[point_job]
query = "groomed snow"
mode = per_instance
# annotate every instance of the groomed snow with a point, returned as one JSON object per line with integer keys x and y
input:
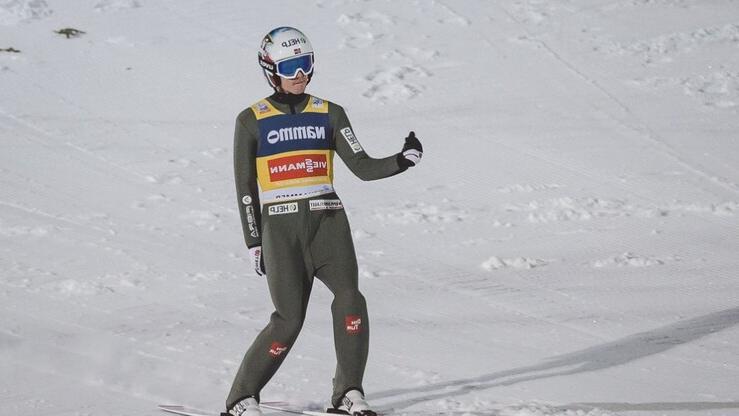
{"x": 568, "y": 247}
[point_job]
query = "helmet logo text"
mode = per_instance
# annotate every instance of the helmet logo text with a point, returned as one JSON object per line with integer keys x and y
{"x": 293, "y": 42}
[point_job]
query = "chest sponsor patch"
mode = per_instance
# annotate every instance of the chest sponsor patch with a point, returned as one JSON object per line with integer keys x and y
{"x": 297, "y": 166}
{"x": 351, "y": 139}
{"x": 287, "y": 208}
{"x": 321, "y": 204}
{"x": 293, "y": 132}
{"x": 296, "y": 133}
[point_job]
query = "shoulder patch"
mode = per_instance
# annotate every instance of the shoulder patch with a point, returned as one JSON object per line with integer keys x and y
{"x": 316, "y": 105}
{"x": 263, "y": 109}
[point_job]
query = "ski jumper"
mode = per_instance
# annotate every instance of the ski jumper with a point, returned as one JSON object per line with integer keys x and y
{"x": 283, "y": 158}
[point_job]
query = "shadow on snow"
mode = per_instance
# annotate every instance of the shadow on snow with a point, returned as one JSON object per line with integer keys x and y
{"x": 595, "y": 358}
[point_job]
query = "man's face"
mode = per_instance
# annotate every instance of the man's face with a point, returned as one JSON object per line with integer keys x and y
{"x": 296, "y": 85}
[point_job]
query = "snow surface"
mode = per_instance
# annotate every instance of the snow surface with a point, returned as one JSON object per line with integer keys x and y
{"x": 567, "y": 247}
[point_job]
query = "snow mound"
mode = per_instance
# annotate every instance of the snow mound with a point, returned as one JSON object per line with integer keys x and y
{"x": 584, "y": 209}
{"x": 665, "y": 48}
{"x": 72, "y": 287}
{"x": 411, "y": 54}
{"x": 572, "y": 209}
{"x": 668, "y": 3}
{"x": 210, "y": 276}
{"x": 727, "y": 208}
{"x": 527, "y": 188}
{"x": 201, "y": 218}
{"x": 479, "y": 406}
{"x": 368, "y": 273}
{"x": 718, "y": 89}
{"x": 631, "y": 260}
{"x": 362, "y": 30}
{"x": 361, "y": 234}
{"x": 415, "y": 213}
{"x": 215, "y": 153}
{"x": 16, "y": 11}
{"x": 37, "y": 231}
{"x": 115, "y": 5}
{"x": 442, "y": 14}
{"x": 365, "y": 19}
{"x": 523, "y": 263}
{"x": 392, "y": 84}
{"x": 537, "y": 409}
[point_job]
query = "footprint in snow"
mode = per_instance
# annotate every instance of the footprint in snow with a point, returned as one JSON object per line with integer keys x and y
{"x": 395, "y": 84}
{"x": 169, "y": 179}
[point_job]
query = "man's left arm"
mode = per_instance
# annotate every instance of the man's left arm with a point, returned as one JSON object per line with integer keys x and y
{"x": 356, "y": 158}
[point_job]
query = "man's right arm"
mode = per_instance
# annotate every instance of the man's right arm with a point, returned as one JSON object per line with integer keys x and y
{"x": 245, "y": 172}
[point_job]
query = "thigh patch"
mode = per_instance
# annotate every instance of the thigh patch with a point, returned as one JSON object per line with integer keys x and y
{"x": 288, "y": 208}
{"x": 321, "y": 204}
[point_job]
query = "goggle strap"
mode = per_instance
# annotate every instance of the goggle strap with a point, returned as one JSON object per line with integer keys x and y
{"x": 269, "y": 66}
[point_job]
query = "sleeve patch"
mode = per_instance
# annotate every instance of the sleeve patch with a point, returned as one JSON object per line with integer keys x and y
{"x": 351, "y": 139}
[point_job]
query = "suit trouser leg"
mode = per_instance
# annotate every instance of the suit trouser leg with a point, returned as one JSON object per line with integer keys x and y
{"x": 335, "y": 260}
{"x": 290, "y": 283}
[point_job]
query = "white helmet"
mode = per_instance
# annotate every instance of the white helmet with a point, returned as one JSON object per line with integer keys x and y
{"x": 284, "y": 52}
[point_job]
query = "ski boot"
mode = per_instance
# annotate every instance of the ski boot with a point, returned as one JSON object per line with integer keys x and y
{"x": 353, "y": 404}
{"x": 246, "y": 407}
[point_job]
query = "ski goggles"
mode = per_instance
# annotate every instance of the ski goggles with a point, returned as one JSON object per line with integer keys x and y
{"x": 289, "y": 67}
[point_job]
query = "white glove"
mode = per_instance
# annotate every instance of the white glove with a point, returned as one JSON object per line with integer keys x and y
{"x": 413, "y": 155}
{"x": 412, "y": 150}
{"x": 257, "y": 260}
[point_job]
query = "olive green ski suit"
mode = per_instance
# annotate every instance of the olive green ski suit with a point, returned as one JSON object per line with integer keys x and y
{"x": 283, "y": 158}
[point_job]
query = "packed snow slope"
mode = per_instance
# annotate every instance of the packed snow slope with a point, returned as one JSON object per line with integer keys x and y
{"x": 567, "y": 247}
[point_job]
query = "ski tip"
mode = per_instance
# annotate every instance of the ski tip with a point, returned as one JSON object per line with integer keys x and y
{"x": 184, "y": 410}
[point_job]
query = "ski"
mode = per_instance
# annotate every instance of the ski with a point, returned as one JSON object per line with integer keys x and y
{"x": 185, "y": 411}
{"x": 287, "y": 408}
{"x": 276, "y": 406}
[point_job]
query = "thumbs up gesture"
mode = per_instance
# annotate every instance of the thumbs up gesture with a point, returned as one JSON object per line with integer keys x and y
{"x": 412, "y": 150}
